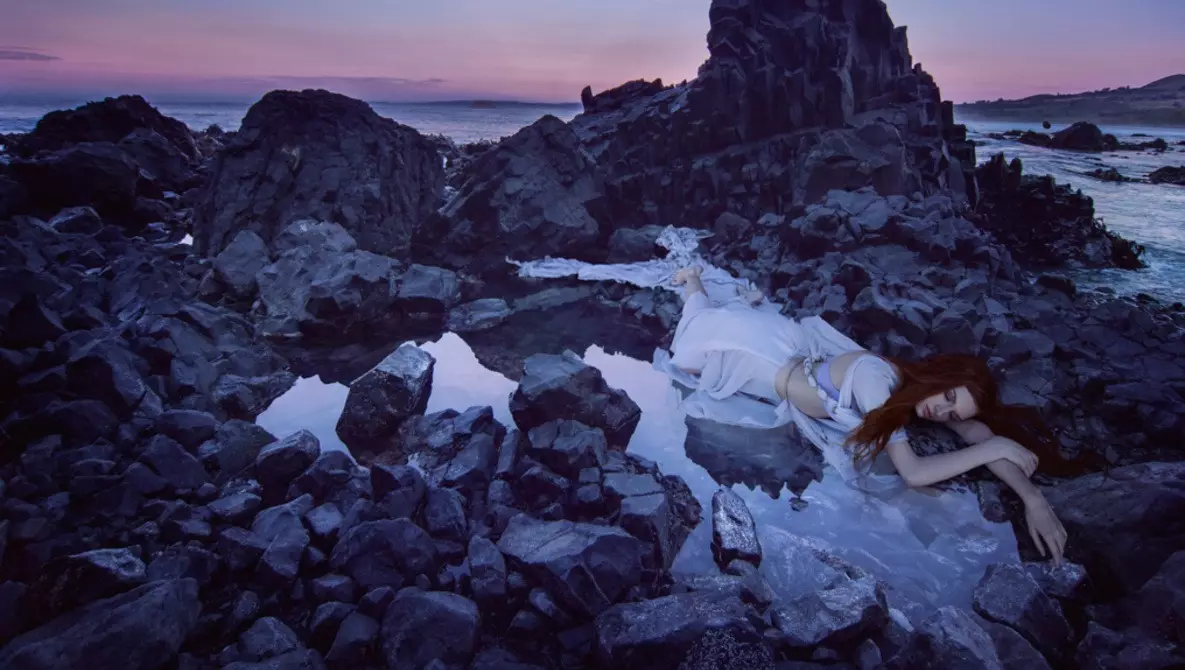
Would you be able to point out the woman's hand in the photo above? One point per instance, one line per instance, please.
(689, 273)
(1045, 529)
(1023, 458)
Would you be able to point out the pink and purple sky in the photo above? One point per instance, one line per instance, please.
(541, 50)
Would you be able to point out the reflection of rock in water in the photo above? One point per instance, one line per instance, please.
(575, 326)
(770, 459)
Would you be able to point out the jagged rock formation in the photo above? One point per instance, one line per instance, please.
(793, 101)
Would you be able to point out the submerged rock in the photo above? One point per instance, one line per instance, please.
(950, 639)
(1008, 595)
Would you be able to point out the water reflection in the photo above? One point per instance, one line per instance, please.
(930, 550)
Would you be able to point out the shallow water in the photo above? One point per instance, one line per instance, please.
(882, 538)
(1150, 214)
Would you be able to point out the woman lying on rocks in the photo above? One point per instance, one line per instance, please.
(756, 368)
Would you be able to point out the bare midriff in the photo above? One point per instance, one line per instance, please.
(792, 384)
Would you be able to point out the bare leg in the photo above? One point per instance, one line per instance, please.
(689, 278)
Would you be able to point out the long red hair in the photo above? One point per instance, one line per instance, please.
(937, 375)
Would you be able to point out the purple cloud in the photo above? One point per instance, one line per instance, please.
(21, 53)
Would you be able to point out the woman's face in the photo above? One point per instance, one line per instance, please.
(953, 405)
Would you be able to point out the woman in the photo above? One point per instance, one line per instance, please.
(757, 368)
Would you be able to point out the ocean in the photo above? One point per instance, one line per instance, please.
(462, 121)
(1152, 215)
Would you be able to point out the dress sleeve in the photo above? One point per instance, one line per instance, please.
(872, 385)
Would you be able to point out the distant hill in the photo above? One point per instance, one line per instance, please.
(1161, 103)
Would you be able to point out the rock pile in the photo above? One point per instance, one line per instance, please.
(1046, 224)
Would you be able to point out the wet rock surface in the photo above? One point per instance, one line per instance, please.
(146, 522)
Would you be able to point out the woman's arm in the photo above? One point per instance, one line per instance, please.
(1047, 532)
(925, 470)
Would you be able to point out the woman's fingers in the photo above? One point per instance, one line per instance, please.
(1036, 537)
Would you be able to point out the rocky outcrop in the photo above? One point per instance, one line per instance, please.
(1046, 224)
(315, 285)
(534, 194)
(110, 120)
(1168, 175)
(793, 101)
(319, 155)
(553, 387)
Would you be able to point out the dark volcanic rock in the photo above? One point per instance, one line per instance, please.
(320, 155)
(237, 264)
(734, 534)
(1046, 224)
(587, 567)
(566, 447)
(421, 626)
(109, 120)
(177, 466)
(1008, 595)
(1082, 136)
(100, 175)
(82, 578)
(845, 613)
(280, 462)
(774, 119)
(565, 387)
(384, 553)
(659, 633)
(1168, 175)
(321, 293)
(528, 197)
(383, 398)
(1105, 649)
(139, 630)
(949, 639)
(1125, 523)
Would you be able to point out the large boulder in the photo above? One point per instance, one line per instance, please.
(659, 633)
(240, 261)
(380, 400)
(384, 553)
(1083, 136)
(1168, 175)
(108, 120)
(528, 197)
(1123, 524)
(948, 638)
(142, 629)
(421, 627)
(565, 387)
(315, 291)
(587, 567)
(315, 154)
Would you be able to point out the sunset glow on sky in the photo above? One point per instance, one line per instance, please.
(542, 50)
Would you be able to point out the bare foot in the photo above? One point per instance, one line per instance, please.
(690, 272)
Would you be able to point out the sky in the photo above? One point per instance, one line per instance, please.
(539, 50)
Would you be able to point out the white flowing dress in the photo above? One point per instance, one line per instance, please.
(738, 347)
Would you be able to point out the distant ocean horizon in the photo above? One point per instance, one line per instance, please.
(463, 121)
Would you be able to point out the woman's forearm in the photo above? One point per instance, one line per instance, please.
(1011, 474)
(927, 470)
